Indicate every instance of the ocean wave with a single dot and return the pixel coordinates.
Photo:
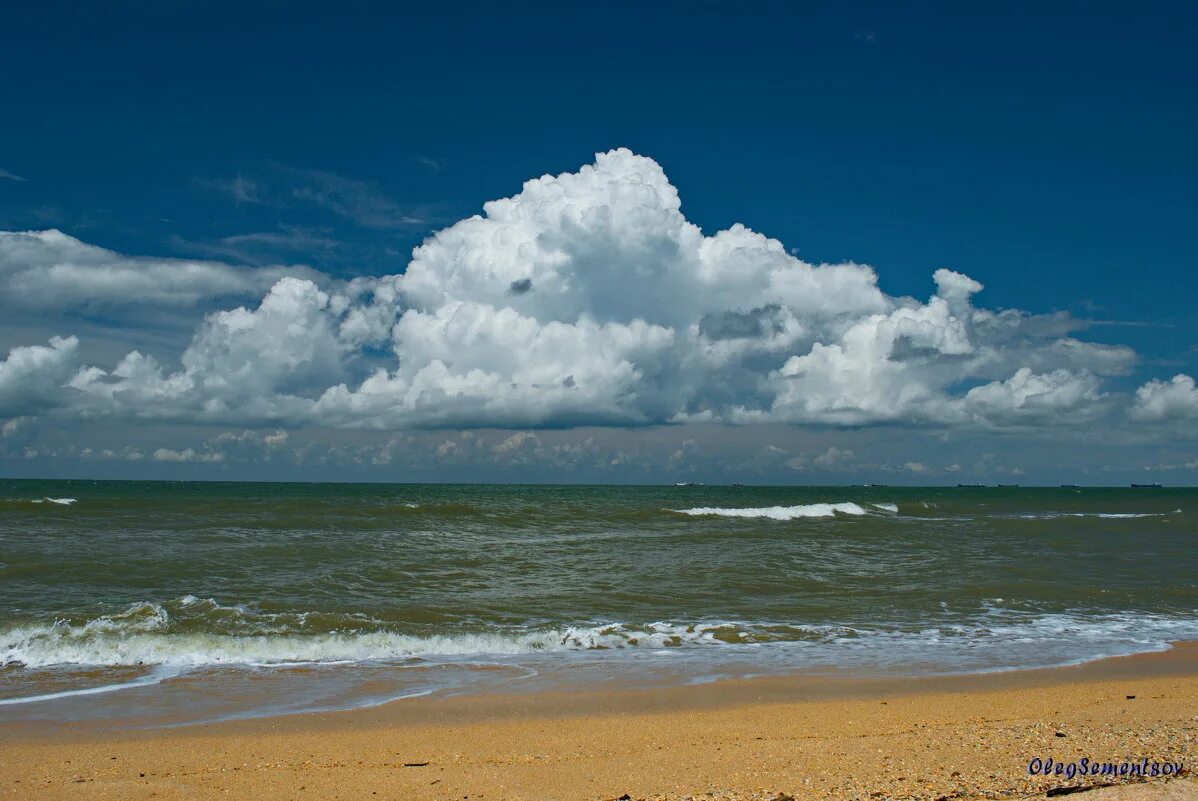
(146, 634)
(784, 512)
(1105, 515)
(55, 501)
(142, 635)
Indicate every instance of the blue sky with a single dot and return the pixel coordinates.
(1046, 153)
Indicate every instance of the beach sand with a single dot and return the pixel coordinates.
(969, 736)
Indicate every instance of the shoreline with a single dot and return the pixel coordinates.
(959, 736)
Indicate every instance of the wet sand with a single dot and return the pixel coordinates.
(968, 736)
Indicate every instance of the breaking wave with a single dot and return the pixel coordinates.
(785, 512)
(54, 501)
(147, 634)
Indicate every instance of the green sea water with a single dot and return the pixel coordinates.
(116, 594)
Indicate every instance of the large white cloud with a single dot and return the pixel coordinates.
(587, 298)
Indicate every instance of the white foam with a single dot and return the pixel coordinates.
(145, 634)
(780, 512)
(140, 636)
(886, 507)
(1107, 515)
(1119, 515)
(155, 677)
(59, 501)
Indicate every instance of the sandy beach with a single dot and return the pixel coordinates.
(966, 737)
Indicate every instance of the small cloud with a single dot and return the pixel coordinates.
(436, 165)
(8, 176)
(518, 441)
(262, 247)
(14, 426)
(1130, 323)
(290, 237)
(915, 467)
(186, 455)
(865, 36)
(240, 189)
(520, 287)
(833, 456)
(359, 201)
(276, 439)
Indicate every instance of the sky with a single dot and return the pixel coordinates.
(782, 243)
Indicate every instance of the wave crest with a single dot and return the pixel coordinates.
(147, 634)
(54, 501)
(151, 635)
(784, 512)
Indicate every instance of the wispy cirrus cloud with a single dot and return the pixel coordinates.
(9, 176)
(239, 188)
(262, 247)
(436, 165)
(363, 203)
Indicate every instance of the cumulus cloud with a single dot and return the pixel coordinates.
(1026, 397)
(53, 270)
(32, 377)
(243, 364)
(186, 455)
(585, 299)
(1176, 399)
(833, 456)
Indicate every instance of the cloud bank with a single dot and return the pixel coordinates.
(585, 299)
(50, 270)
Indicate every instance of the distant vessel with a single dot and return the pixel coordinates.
(1071, 486)
(688, 484)
(877, 485)
(1146, 486)
(1008, 486)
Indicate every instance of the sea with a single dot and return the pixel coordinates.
(168, 603)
